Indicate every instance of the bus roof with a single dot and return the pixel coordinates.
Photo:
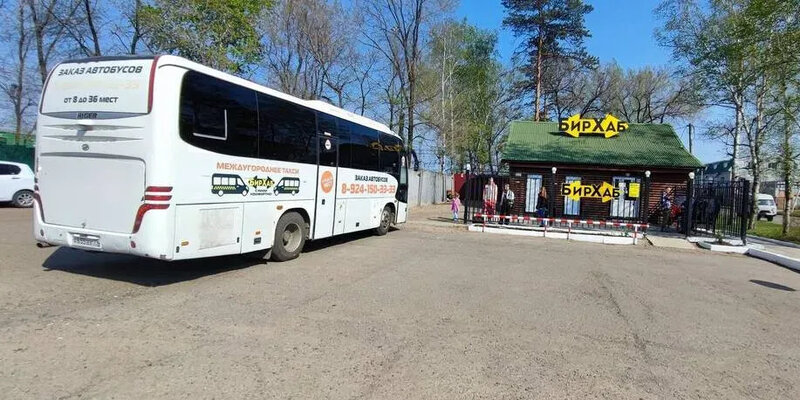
(317, 105)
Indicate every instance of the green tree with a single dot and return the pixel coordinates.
(737, 49)
(219, 33)
(551, 30)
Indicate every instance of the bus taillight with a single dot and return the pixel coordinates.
(145, 207)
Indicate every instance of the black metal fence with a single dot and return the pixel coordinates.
(475, 200)
(702, 208)
(630, 207)
(719, 209)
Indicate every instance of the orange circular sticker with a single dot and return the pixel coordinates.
(326, 181)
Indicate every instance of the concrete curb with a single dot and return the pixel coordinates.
(755, 251)
(785, 261)
(723, 248)
(557, 234)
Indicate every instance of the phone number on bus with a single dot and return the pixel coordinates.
(358, 188)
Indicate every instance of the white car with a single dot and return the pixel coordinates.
(16, 184)
(766, 206)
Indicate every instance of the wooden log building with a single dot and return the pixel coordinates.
(539, 155)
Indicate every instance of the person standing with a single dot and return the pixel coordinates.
(506, 203)
(666, 209)
(455, 206)
(489, 197)
(541, 203)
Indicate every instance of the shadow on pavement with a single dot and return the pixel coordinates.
(321, 244)
(140, 270)
(152, 272)
(772, 285)
(445, 219)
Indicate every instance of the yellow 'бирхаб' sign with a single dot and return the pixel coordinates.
(608, 126)
(576, 191)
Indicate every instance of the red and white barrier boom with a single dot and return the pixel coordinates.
(564, 221)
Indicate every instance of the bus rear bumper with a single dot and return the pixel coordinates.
(91, 240)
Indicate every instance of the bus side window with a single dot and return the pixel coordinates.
(345, 129)
(217, 115)
(391, 149)
(287, 131)
(365, 148)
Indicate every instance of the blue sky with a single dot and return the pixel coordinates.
(621, 31)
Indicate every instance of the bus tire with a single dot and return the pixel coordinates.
(290, 237)
(386, 221)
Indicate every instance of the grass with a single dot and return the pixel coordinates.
(773, 231)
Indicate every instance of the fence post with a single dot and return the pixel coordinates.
(688, 219)
(746, 210)
(646, 197)
(552, 194)
(467, 195)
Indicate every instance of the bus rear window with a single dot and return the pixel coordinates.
(98, 89)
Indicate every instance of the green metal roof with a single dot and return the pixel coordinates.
(641, 145)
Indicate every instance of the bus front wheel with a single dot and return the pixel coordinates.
(386, 221)
(290, 237)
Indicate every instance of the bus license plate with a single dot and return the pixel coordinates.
(83, 241)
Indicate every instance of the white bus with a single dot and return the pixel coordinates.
(162, 157)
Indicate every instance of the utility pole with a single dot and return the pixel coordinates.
(691, 137)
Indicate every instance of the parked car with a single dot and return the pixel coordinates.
(766, 206)
(16, 184)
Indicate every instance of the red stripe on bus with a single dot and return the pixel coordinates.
(150, 84)
(158, 189)
(157, 198)
(144, 208)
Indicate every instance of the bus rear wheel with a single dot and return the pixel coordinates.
(387, 216)
(290, 237)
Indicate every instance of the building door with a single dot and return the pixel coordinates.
(326, 187)
(624, 206)
(532, 193)
(572, 207)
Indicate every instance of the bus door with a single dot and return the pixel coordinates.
(328, 158)
(402, 191)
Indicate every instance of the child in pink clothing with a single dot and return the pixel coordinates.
(455, 205)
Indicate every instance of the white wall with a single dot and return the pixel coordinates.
(428, 187)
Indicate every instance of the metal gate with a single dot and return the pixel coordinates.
(718, 209)
(477, 197)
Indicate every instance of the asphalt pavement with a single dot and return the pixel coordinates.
(428, 311)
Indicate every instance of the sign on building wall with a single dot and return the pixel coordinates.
(605, 191)
(576, 191)
(576, 126)
(633, 190)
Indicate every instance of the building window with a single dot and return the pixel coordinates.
(625, 206)
(572, 207)
(532, 192)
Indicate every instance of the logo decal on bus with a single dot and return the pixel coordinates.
(326, 181)
(260, 186)
(288, 185)
(222, 184)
